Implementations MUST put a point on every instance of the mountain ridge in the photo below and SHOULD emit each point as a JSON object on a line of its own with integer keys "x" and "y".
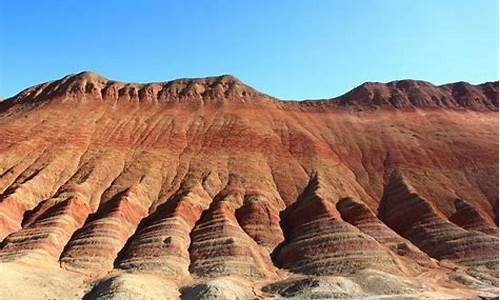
{"x": 399, "y": 94}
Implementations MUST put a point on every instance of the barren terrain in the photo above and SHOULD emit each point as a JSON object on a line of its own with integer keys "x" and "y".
{"x": 208, "y": 189}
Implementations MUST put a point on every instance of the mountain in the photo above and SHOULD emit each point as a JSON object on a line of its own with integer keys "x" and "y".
{"x": 209, "y": 189}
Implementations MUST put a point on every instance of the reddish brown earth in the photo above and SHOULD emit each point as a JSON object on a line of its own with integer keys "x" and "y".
{"x": 209, "y": 189}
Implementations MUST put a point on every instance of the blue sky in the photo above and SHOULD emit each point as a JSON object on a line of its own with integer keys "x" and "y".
{"x": 289, "y": 49}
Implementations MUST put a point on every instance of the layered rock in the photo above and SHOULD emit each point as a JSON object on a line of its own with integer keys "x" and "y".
{"x": 260, "y": 219}
{"x": 414, "y": 218}
{"x": 37, "y": 183}
{"x": 318, "y": 241}
{"x": 48, "y": 228}
{"x": 467, "y": 217}
{"x": 195, "y": 179}
{"x": 219, "y": 246}
{"x": 94, "y": 247}
{"x": 161, "y": 243}
{"x": 359, "y": 215}
{"x": 48, "y": 235}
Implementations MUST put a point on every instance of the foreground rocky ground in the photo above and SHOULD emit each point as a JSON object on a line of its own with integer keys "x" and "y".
{"x": 209, "y": 189}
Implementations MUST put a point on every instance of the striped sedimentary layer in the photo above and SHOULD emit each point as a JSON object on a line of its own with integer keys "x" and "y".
{"x": 49, "y": 233}
{"x": 318, "y": 241}
{"x": 359, "y": 215}
{"x": 467, "y": 217}
{"x": 94, "y": 247}
{"x": 209, "y": 178}
{"x": 414, "y": 218}
{"x": 219, "y": 246}
{"x": 260, "y": 219}
{"x": 161, "y": 243}
{"x": 48, "y": 227}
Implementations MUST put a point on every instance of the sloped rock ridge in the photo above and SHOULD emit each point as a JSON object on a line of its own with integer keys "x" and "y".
{"x": 206, "y": 188}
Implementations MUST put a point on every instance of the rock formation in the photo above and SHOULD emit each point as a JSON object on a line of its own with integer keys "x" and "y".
{"x": 208, "y": 189}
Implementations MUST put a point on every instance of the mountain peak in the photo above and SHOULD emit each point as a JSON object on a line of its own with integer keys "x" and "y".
{"x": 409, "y": 93}
{"x": 88, "y": 75}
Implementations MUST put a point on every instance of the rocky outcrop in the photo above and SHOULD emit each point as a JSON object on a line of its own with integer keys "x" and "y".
{"x": 260, "y": 219}
{"x": 161, "y": 243}
{"x": 225, "y": 288}
{"x": 413, "y": 93}
{"x": 219, "y": 246}
{"x": 318, "y": 241}
{"x": 415, "y": 218}
{"x": 359, "y": 215}
{"x": 89, "y": 86}
{"x": 367, "y": 284}
{"x": 467, "y": 217}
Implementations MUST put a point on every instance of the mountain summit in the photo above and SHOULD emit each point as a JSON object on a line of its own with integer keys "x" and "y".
{"x": 91, "y": 85}
{"x": 404, "y": 94}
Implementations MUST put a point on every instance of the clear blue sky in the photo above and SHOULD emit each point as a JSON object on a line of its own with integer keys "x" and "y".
{"x": 289, "y": 49}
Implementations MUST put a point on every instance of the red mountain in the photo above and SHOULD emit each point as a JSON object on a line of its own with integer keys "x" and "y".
{"x": 208, "y": 189}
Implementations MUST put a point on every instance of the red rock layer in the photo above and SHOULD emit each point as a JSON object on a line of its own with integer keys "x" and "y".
{"x": 35, "y": 184}
{"x": 161, "y": 243}
{"x": 318, "y": 241}
{"x": 219, "y": 246}
{"x": 11, "y": 212}
{"x": 49, "y": 233}
{"x": 260, "y": 219}
{"x": 359, "y": 215}
{"x": 94, "y": 247}
{"x": 414, "y": 218}
{"x": 469, "y": 218}
{"x": 48, "y": 228}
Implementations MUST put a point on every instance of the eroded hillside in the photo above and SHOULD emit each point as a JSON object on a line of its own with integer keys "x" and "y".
{"x": 196, "y": 187}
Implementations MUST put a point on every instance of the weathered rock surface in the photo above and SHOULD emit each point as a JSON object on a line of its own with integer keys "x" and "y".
{"x": 133, "y": 287}
{"x": 415, "y": 218}
{"x": 208, "y": 189}
{"x": 359, "y": 215}
{"x": 223, "y": 288}
{"x": 320, "y": 242}
{"x": 161, "y": 244}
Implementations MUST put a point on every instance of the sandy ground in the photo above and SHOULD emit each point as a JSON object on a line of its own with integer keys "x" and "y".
{"x": 20, "y": 281}
{"x": 24, "y": 281}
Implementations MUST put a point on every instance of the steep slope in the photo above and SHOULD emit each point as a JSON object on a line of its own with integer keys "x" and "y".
{"x": 204, "y": 183}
